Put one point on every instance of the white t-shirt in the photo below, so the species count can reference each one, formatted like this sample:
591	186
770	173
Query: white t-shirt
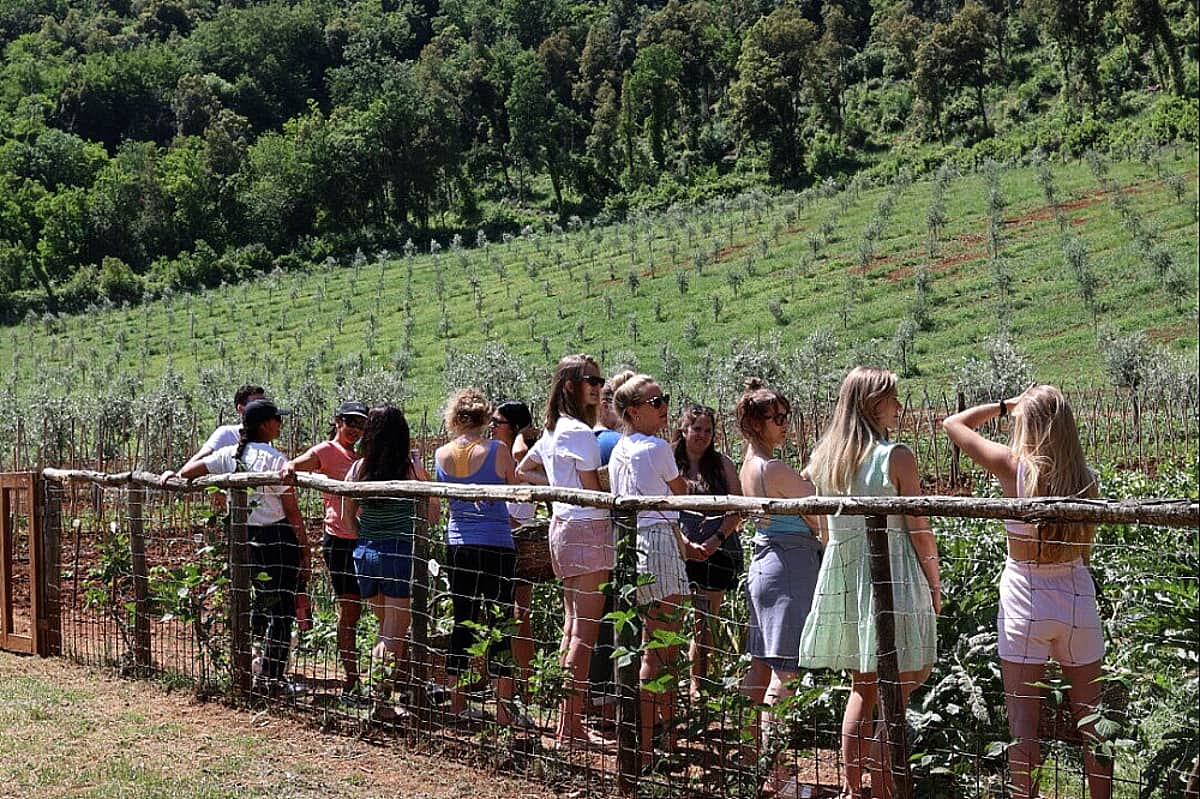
564	452
266	507
642	465
227	435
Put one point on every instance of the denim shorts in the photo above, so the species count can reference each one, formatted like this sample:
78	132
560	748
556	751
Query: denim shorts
384	566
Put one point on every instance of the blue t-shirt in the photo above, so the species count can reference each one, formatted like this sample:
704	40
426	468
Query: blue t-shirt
607	439
479	523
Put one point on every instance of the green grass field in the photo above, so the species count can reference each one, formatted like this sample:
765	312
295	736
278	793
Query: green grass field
755	269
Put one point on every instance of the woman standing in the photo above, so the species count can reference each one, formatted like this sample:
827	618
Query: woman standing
333	458
385	527
510	424
275	530
707	472
582	549
480	553
643	464
854	458
787	553
1047	597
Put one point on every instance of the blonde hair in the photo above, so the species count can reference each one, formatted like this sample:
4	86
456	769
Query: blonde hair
1046	441
629	390
468	411
564	391
757	403
853	430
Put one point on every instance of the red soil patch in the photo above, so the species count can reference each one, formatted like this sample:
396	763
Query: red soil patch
1170	333
731	250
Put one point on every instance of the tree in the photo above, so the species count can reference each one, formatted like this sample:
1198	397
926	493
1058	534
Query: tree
534	116
1074	27
772	92
652	92
953	58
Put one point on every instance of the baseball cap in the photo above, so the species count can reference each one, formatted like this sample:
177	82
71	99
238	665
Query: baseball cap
352	408
259	411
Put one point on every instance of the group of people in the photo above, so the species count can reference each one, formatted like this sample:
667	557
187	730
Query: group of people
808	582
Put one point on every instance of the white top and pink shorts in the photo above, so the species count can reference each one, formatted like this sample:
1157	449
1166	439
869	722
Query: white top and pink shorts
1047	610
581	538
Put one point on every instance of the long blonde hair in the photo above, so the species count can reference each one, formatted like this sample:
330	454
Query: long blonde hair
1046	442
853	431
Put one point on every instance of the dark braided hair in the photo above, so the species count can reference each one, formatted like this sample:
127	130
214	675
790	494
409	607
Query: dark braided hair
246	435
712	468
385	444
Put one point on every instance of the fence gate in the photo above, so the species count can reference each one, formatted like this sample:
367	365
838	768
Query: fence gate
20	564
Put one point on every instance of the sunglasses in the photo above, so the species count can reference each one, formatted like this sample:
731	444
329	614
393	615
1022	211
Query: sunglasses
496	421
702	409
592	380
357	422
780	419
661	401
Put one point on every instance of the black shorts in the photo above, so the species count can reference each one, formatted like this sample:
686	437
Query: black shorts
718	573
338	554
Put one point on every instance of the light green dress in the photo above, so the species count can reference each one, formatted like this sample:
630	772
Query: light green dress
840	630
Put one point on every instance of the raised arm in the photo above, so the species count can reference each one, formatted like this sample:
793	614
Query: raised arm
530	470
996	458
903	468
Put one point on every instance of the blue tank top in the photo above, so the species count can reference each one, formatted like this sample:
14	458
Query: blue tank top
478	523
779	524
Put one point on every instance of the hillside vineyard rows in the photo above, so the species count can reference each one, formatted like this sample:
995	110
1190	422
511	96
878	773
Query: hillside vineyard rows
920	275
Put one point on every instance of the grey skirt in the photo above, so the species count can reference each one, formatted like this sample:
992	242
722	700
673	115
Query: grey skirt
779	587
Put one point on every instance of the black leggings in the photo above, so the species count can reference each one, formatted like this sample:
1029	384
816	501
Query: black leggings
481	587
275	552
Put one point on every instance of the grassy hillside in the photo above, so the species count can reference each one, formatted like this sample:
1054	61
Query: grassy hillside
676	294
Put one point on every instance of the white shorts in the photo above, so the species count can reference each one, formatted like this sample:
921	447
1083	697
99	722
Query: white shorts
1048	610
658	556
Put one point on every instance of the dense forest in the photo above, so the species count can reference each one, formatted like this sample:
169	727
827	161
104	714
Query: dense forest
153	147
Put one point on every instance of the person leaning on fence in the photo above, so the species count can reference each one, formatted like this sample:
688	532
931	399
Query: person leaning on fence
333	458
582	547
787	556
642	464
275	530
385	527
480	555
854	458
707	472
226	435
1047	597
511	424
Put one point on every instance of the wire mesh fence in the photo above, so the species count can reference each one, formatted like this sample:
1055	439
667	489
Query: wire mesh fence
465	648
1116	426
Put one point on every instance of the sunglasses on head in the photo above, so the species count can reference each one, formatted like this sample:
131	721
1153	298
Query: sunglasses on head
702	409
661	401
592	380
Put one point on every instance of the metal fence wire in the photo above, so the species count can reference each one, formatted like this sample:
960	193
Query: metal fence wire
459	646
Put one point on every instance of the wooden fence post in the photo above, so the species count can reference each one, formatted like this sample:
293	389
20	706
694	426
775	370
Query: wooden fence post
50	622
628	641
419	649
134	510
888	670
239	594
960	405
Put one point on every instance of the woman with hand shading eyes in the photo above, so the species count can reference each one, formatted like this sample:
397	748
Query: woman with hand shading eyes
582	547
707	472
1047	596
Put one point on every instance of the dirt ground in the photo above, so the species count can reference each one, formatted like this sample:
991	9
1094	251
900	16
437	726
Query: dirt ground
69	731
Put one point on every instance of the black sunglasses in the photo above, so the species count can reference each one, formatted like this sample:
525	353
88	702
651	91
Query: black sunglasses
496	421
781	419
592	380
357	422
660	401
702	409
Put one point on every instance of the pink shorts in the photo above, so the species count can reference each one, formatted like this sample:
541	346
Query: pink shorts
581	546
1048	610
